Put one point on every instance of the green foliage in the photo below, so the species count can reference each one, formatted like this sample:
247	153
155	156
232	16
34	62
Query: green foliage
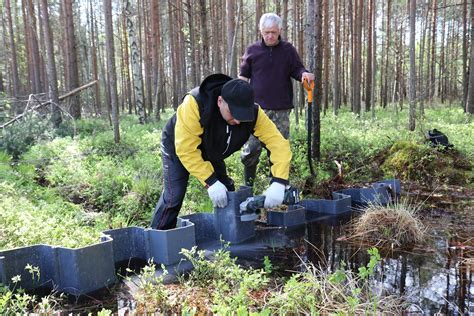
83	127
16	301
341	292
359	142
365	272
152	294
267	265
20	136
232	284
43	219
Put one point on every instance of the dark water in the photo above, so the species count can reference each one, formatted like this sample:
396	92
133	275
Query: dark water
435	278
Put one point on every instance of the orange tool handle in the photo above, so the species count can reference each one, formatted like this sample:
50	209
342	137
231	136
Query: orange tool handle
309	87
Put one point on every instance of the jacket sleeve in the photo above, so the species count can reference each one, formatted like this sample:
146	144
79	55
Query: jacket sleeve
279	147
188	131
297	67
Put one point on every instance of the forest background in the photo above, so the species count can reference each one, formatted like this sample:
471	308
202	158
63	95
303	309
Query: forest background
142	56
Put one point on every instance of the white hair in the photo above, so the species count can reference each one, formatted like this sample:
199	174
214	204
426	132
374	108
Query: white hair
270	19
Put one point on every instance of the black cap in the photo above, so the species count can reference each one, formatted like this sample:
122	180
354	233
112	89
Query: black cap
240	97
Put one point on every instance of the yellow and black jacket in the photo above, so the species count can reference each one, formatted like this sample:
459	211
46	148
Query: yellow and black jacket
199	136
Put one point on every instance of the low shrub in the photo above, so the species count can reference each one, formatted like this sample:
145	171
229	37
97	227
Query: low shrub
20	136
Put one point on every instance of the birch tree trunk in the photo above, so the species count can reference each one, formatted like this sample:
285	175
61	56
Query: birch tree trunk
136	68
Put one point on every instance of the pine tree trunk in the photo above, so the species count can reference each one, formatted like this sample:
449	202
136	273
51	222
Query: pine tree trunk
368	86
401	66
295	85
32	39
71	64
206	70
51	65
374	58
233	60
258	14
126	83
432	83
192	41
337	57
411	123
172	44
284	18
387	47
421	73
470	102
464	55
145	42
182	52
13	58
327	57
357	57
442	67
230	26
111	71
318	72
97	97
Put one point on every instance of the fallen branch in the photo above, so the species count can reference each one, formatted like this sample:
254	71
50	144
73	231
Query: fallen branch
62	97
19	116
72	92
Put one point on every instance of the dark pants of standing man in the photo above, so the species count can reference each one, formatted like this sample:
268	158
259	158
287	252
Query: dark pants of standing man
175	182
250	154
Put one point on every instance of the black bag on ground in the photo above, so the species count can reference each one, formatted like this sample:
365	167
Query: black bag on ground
437	138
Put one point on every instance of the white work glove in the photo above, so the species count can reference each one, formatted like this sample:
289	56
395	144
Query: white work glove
274	195
218	194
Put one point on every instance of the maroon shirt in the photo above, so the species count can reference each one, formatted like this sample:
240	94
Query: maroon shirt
270	69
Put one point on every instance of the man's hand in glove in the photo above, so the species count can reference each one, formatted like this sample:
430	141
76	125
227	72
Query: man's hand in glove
218	194
274	195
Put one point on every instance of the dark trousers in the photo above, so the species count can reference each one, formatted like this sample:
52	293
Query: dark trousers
175	182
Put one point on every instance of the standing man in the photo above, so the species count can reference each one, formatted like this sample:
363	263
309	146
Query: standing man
269	65
214	121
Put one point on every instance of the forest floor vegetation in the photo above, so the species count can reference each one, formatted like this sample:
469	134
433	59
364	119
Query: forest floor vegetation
64	187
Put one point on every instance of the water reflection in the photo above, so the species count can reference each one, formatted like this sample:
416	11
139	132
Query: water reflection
435	279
